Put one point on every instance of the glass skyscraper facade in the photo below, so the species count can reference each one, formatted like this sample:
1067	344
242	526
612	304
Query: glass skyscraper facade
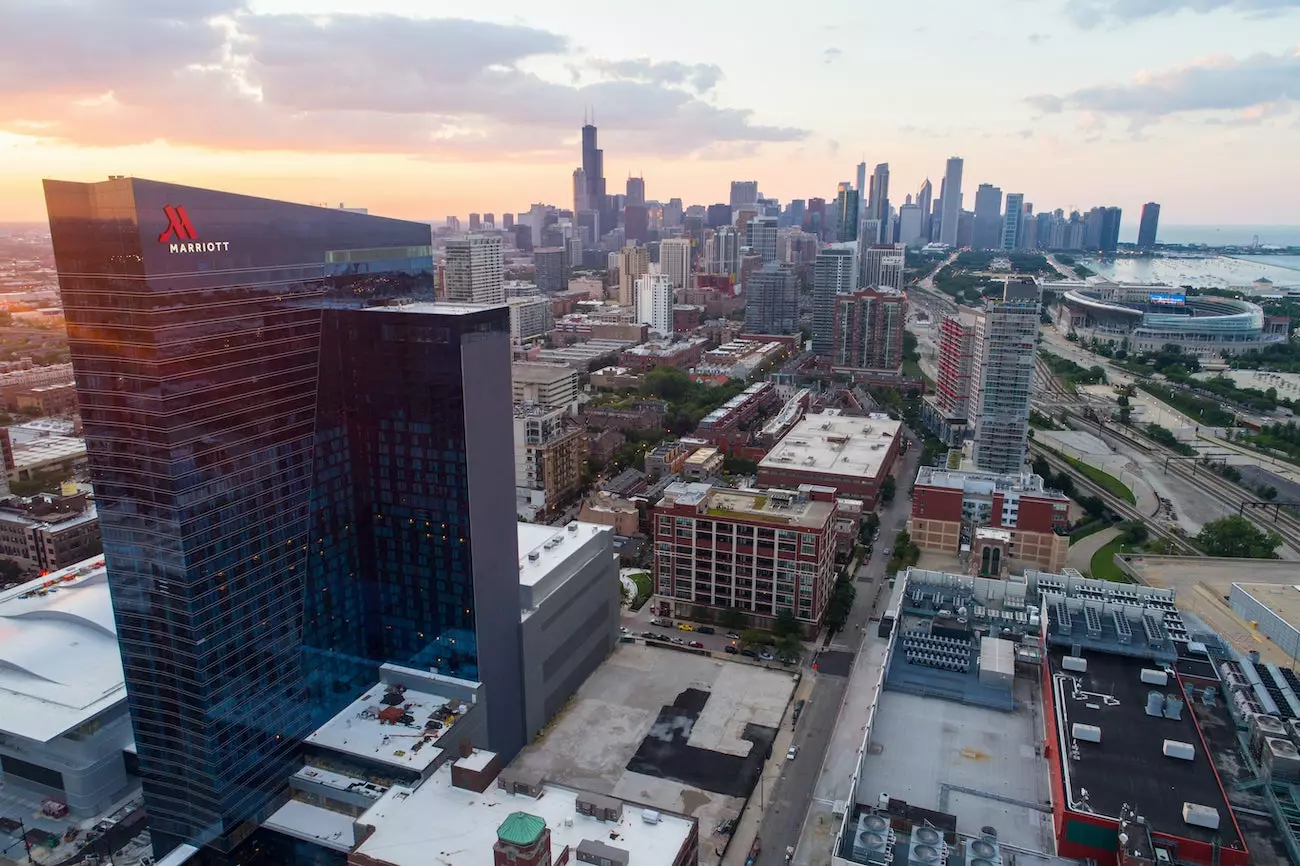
295	480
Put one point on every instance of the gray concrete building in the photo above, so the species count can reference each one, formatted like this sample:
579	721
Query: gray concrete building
569	603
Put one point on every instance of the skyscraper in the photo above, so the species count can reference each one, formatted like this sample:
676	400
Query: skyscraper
636	190
476	270
910	224
251	408
549	269
724	252
1110	218
1147	228
923	201
1003	373
593	168
988	217
654	302
869	330
580	193
846	214
862	187
883	265
675	261
1012	219
633	263
878	203
835	272
771	301
951	201
743	193
760	236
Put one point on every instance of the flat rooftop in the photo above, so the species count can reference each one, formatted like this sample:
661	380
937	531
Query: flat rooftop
450	826
552	544
442	308
672	730
1281	598
538	373
976	481
360	731
981	765
1128	765
782	507
59	661
835	445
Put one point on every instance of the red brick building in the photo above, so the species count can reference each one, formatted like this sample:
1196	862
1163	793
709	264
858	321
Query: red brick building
850	454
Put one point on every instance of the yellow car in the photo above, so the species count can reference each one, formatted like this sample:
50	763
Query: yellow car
685	626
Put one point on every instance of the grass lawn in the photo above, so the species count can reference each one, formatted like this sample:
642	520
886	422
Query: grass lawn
1083	532
1111	484
644	589
1103	565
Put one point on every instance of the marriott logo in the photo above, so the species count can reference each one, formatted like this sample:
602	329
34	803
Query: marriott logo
181	237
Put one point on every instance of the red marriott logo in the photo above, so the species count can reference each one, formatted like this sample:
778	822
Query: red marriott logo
179	228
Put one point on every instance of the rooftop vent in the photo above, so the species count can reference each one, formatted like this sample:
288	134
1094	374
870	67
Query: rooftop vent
533	556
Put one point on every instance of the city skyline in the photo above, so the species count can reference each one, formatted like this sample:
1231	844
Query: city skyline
235	102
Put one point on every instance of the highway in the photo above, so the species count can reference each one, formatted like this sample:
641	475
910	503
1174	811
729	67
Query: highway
787	805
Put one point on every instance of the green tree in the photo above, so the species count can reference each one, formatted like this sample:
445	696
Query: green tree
888	488
786	623
754	637
666	382
10	570
732	618
1237	536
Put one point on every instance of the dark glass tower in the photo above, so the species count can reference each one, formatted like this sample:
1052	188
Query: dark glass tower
1149	226
294	478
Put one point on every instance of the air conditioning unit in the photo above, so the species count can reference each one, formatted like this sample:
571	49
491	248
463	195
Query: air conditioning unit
928	848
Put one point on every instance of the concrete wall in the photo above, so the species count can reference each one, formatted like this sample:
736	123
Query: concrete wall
90	762
572	629
1282	633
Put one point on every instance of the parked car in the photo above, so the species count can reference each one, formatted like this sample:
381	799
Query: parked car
705	629
749	653
695	645
733	636
888	551
767	656
685	626
730	650
792	753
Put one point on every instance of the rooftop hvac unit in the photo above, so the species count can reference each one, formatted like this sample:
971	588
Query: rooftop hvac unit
984	851
1154	677
1201	816
1281	760
1177	749
1155	704
649	816
1173	707
1074	663
1086	733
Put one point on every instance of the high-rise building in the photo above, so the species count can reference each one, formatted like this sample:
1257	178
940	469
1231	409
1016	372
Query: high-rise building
675	261
988	217
1110	218
453	224
549	268
869	330
771	301
846	214
633	264
530	319
1028	237
1003	375
249	437
475	222
580	192
878	203
476	270
1147	228
883	265
946	413
835	272
1043	232
925	203
862	184
636	223
1011	221
507	222
636	190
743	193
724	252
593	168
760	236
910	231
654	301
550	457
951	202
673	213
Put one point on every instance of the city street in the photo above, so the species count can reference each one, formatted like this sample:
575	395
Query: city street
787	805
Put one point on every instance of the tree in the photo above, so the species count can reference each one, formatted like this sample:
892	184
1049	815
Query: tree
732	618
666	382
10	570
1042	468
1237	536
786	623
888	488
754	637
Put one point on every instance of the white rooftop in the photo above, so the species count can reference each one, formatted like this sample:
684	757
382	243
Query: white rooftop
438	823
48	448
835	444
446	308
310	823
59	660
358	730
552	544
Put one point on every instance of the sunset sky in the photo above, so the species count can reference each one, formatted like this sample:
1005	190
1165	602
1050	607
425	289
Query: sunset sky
413	111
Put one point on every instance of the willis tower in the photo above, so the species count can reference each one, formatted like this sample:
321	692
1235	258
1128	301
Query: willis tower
296	481
593	169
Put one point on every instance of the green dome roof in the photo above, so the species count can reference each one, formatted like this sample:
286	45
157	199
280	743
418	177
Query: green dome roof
520	828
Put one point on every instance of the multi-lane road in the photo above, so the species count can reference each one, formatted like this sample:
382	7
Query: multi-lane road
787	805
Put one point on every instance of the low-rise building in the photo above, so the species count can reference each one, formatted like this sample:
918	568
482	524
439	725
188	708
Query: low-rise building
569	609
704	463
610	509
637	415
46	455
732	424
14	382
552	385
948	506
614	378
759	552
58	399
583	356
851	454
666	458
687	317
49	532
739	359
681	354
550	457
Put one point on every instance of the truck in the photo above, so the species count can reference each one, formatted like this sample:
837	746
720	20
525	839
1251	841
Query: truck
754	849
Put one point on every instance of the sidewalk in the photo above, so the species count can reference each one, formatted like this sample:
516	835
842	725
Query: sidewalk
750	819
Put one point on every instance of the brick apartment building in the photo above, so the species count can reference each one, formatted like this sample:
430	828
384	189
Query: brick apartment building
760	552
849	454
948	506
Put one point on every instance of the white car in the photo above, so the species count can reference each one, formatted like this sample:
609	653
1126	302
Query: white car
792	753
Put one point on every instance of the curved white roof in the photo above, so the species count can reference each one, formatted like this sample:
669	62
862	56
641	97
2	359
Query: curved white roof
59	660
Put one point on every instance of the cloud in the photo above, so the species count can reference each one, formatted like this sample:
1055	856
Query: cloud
1212	85
701	77
214	75
1037	38
1091	13
832	54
